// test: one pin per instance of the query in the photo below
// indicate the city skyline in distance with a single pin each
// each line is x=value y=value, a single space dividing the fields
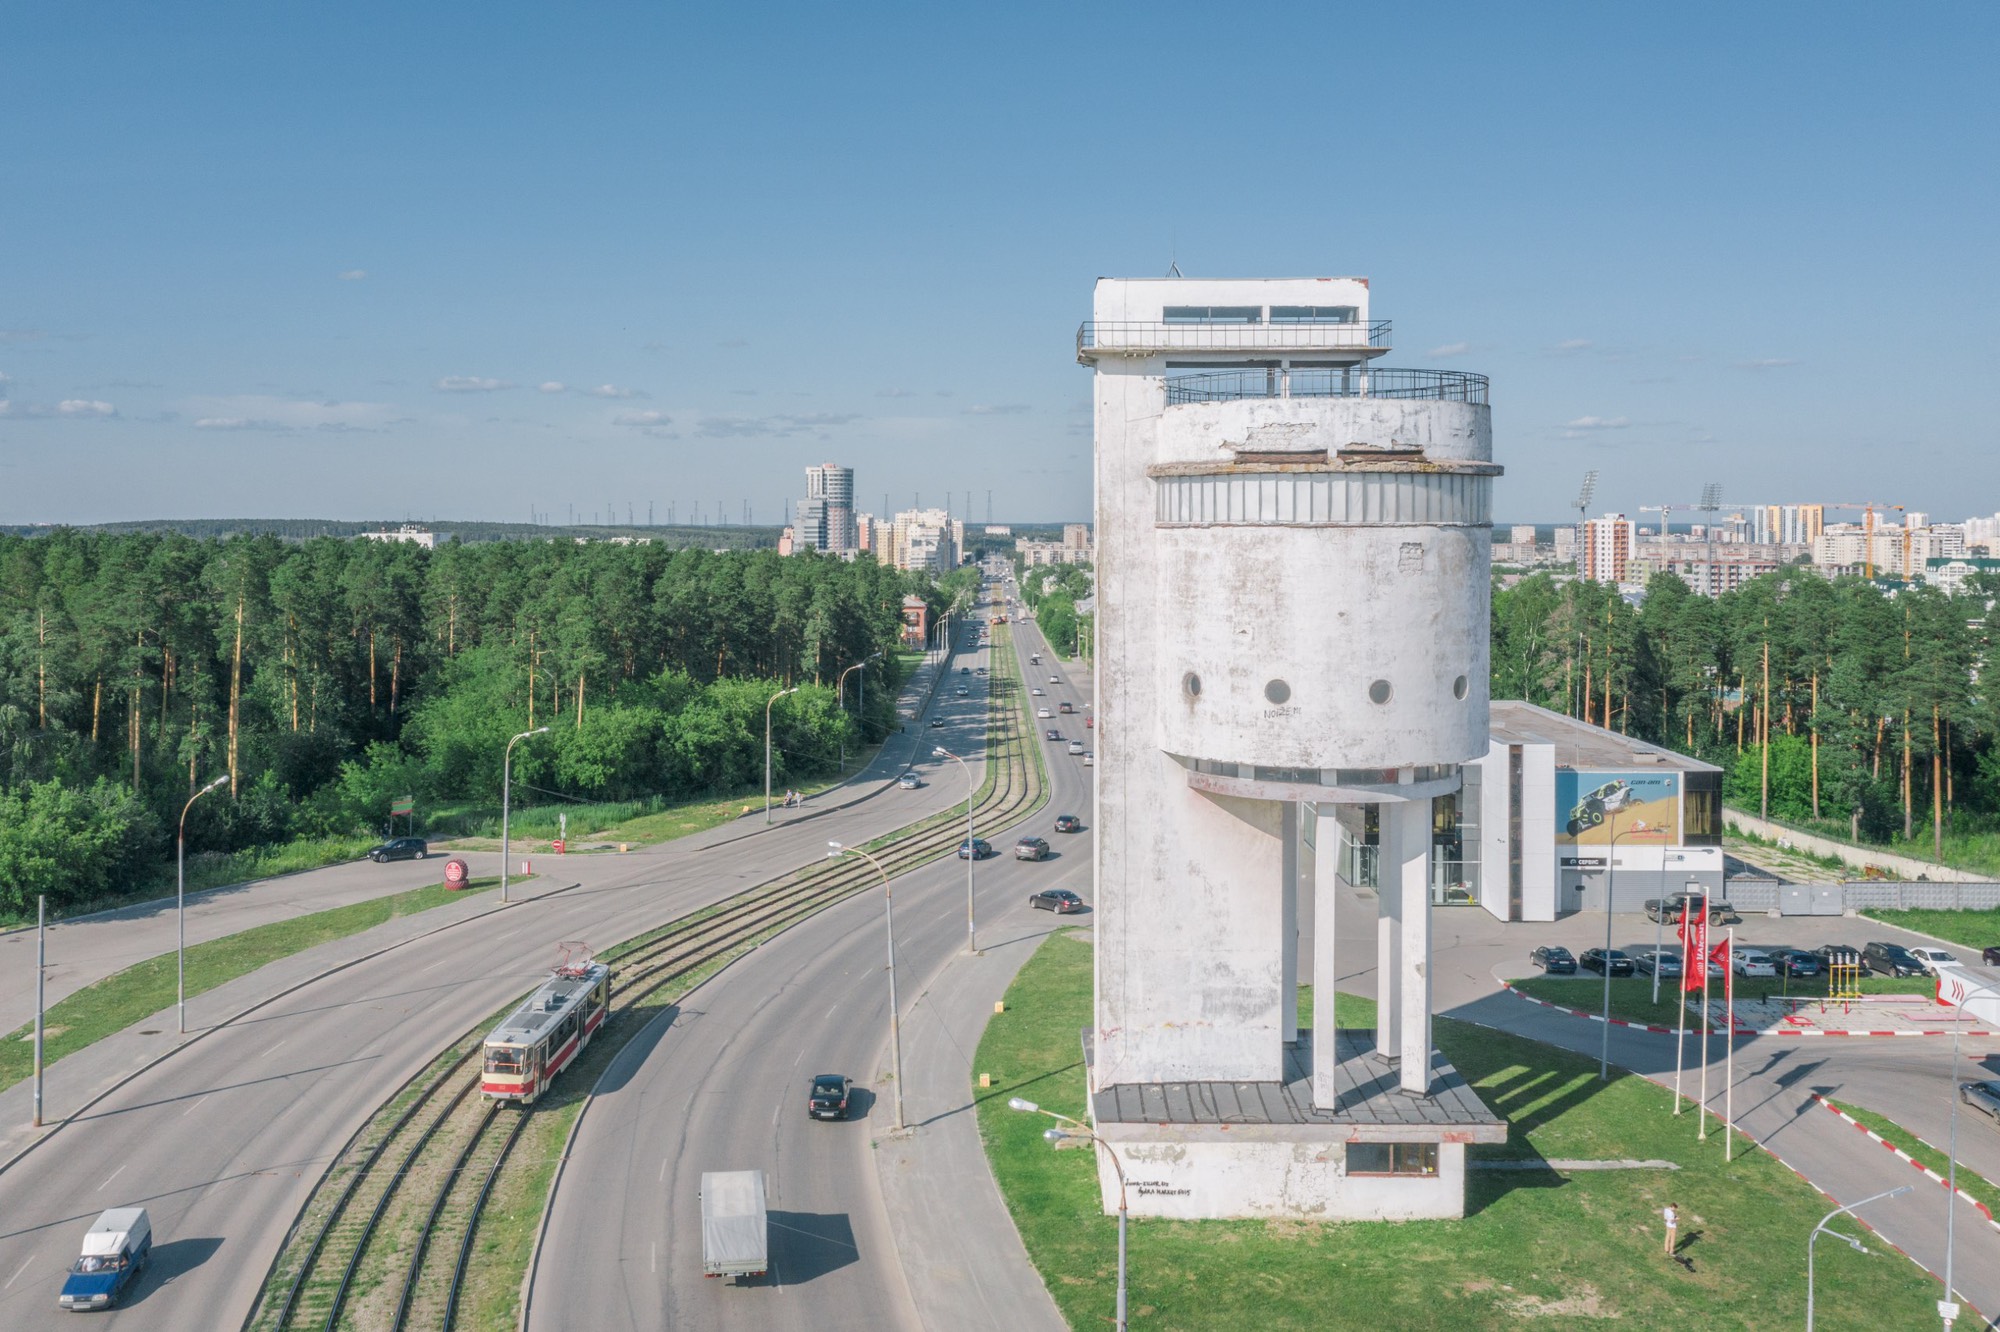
x=391 y=283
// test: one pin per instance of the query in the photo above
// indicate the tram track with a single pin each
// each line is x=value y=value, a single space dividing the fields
x=388 y=1236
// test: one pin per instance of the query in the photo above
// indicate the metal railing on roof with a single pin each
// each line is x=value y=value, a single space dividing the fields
x=1359 y=381
x=1141 y=337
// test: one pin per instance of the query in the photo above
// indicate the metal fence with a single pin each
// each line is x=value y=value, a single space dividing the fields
x=1358 y=382
x=1753 y=895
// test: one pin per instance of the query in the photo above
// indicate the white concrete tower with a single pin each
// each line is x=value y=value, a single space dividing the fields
x=1292 y=567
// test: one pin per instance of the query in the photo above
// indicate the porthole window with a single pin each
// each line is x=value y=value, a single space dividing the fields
x=1191 y=685
x=1379 y=692
x=1458 y=688
x=1277 y=691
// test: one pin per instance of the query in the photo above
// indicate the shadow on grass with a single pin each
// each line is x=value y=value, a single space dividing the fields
x=1013 y=1088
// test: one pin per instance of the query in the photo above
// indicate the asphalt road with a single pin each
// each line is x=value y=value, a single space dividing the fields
x=1908 y=1079
x=222 y=1141
x=89 y=948
x=721 y=1085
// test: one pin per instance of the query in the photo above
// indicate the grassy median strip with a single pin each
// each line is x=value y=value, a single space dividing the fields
x=1632 y=996
x=1535 y=1244
x=1973 y=1183
x=139 y=991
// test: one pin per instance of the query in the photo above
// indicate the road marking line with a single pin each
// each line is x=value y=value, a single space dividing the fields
x=114 y=1174
x=663 y=1170
x=654 y=1261
x=196 y=1106
x=433 y=966
x=17 y=1276
x=273 y=1050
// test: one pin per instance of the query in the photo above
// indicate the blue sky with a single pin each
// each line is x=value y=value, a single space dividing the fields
x=465 y=261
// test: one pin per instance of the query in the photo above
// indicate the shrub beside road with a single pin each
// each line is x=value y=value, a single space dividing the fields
x=1535 y=1243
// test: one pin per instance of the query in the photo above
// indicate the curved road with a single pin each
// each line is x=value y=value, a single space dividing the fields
x=223 y=1141
x=722 y=1083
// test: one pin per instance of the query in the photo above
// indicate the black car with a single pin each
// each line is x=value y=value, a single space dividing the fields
x=1595 y=959
x=1669 y=910
x=1068 y=823
x=978 y=849
x=1052 y=734
x=1837 y=954
x=828 y=1097
x=1795 y=961
x=937 y=723
x=1059 y=900
x=1890 y=959
x=400 y=848
x=1991 y=956
x=1554 y=959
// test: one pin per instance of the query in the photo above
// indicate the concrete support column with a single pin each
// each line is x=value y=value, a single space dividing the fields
x=1388 y=945
x=1288 y=922
x=1406 y=875
x=1325 y=879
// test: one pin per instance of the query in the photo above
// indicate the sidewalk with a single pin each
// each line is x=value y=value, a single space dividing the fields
x=961 y=1255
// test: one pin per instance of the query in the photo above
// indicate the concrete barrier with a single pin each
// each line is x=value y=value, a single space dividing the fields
x=1858 y=857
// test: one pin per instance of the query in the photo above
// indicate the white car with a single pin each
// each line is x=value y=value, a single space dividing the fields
x=1076 y=746
x=1089 y=758
x=1749 y=962
x=1933 y=958
x=1044 y=712
x=1054 y=680
x=909 y=781
x=963 y=691
x=1036 y=692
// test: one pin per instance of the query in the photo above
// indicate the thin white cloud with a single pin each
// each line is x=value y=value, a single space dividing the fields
x=5 y=378
x=1599 y=423
x=895 y=393
x=22 y=334
x=642 y=419
x=1768 y=363
x=783 y=424
x=996 y=409
x=1450 y=349
x=85 y=407
x=1574 y=345
x=354 y=275
x=552 y=386
x=259 y=411
x=613 y=391
x=470 y=384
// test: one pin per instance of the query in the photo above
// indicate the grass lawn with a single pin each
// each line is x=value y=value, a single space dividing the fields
x=1535 y=1245
x=1632 y=997
x=1974 y=929
x=1975 y=1184
x=141 y=990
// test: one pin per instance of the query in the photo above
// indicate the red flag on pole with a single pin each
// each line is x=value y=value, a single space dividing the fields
x=1694 y=947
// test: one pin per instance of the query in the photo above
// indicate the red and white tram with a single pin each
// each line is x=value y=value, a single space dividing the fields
x=547 y=1032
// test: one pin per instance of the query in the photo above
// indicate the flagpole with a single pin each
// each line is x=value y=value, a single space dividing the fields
x=1681 y=1025
x=1702 y=1116
x=1729 y=1051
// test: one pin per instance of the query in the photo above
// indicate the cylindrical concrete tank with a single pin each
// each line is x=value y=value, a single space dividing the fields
x=1325 y=566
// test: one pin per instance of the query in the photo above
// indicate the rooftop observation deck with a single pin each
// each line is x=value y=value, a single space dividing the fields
x=1354 y=381
x=1349 y=339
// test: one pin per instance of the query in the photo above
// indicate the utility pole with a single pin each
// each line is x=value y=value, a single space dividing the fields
x=41 y=972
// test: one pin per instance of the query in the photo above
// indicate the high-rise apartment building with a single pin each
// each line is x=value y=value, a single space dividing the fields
x=920 y=539
x=824 y=519
x=1788 y=524
x=1608 y=543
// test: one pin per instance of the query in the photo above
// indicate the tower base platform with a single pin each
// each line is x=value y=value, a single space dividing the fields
x=1211 y=1150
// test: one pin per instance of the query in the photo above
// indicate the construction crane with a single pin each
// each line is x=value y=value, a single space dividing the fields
x=1868 y=508
x=1584 y=494
x=1711 y=500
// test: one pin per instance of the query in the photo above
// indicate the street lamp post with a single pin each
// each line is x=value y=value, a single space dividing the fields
x=1610 y=885
x=1078 y=1129
x=1852 y=1242
x=840 y=689
x=1951 y=1191
x=506 y=793
x=971 y=849
x=1659 y=919
x=833 y=851
x=180 y=903
x=767 y=747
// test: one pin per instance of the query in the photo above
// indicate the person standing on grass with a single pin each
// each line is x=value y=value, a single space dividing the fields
x=1672 y=1216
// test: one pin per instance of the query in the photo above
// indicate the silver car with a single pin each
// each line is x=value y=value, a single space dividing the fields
x=1981 y=1096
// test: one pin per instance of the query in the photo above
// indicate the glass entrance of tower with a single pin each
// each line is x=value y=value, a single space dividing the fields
x=1455 y=843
